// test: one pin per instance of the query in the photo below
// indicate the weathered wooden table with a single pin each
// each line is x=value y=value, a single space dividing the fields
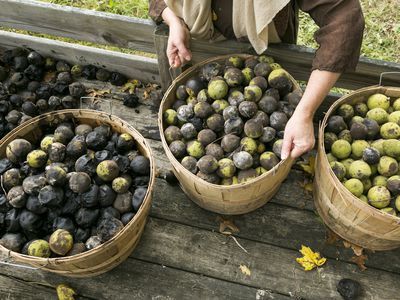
x=182 y=254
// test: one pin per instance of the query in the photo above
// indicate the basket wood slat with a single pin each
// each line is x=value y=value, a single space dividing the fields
x=229 y=200
x=107 y=256
x=345 y=214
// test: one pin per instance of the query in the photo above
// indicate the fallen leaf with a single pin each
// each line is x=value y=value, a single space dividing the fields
x=64 y=292
x=245 y=270
x=360 y=261
x=146 y=95
x=227 y=224
x=358 y=251
x=131 y=86
x=331 y=237
x=309 y=166
x=310 y=259
x=98 y=93
x=307 y=185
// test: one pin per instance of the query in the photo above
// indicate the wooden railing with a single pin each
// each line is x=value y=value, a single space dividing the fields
x=139 y=34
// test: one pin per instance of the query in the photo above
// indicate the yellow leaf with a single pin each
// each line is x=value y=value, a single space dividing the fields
x=310 y=259
x=131 y=86
x=245 y=270
x=308 y=167
x=64 y=292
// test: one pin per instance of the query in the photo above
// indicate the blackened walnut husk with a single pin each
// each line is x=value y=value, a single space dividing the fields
x=64 y=223
x=117 y=79
x=109 y=227
x=71 y=204
x=103 y=75
x=34 y=73
x=109 y=212
x=12 y=221
x=30 y=109
x=85 y=164
x=77 y=90
x=51 y=196
x=81 y=235
x=86 y=217
x=15 y=100
x=131 y=100
x=54 y=102
x=69 y=102
x=90 y=198
x=44 y=91
x=5 y=164
x=138 y=197
x=349 y=289
x=4 y=206
x=96 y=141
x=34 y=205
x=125 y=218
x=30 y=221
x=89 y=72
x=60 y=88
x=62 y=66
x=106 y=195
x=35 y=58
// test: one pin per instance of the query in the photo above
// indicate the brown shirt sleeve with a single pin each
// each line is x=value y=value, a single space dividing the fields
x=340 y=34
x=156 y=7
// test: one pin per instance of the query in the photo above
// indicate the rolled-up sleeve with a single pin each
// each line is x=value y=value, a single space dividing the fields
x=156 y=8
x=340 y=34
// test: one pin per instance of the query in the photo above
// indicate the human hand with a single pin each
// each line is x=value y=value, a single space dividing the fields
x=299 y=135
x=178 y=44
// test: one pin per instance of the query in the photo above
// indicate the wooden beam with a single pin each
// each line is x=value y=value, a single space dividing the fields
x=133 y=279
x=274 y=268
x=133 y=66
x=80 y=24
x=296 y=59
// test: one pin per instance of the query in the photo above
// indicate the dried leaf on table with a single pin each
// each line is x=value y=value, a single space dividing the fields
x=98 y=93
x=360 y=261
x=358 y=251
x=64 y=292
x=226 y=226
x=308 y=166
x=307 y=185
x=310 y=259
x=245 y=270
x=131 y=86
x=331 y=237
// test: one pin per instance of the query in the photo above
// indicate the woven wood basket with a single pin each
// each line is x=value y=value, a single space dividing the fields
x=345 y=214
x=229 y=200
x=107 y=256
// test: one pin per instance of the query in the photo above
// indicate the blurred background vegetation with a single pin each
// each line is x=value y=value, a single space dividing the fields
x=381 y=36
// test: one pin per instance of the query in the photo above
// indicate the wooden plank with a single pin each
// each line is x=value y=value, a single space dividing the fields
x=133 y=66
x=275 y=223
x=13 y=288
x=140 y=280
x=273 y=268
x=296 y=59
x=79 y=24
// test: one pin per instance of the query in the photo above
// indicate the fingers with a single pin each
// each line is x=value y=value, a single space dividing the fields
x=183 y=52
x=286 y=147
x=297 y=151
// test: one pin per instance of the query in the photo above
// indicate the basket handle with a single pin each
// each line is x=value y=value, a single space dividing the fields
x=385 y=73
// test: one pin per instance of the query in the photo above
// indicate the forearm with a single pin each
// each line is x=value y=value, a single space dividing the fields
x=319 y=85
x=169 y=17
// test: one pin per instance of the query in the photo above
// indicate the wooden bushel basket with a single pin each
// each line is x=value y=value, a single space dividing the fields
x=345 y=214
x=108 y=255
x=229 y=200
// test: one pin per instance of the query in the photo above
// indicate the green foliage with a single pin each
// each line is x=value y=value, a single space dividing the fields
x=381 y=35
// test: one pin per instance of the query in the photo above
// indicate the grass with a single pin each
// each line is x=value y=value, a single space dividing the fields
x=381 y=36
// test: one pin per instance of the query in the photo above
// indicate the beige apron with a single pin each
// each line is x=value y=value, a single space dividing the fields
x=250 y=18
